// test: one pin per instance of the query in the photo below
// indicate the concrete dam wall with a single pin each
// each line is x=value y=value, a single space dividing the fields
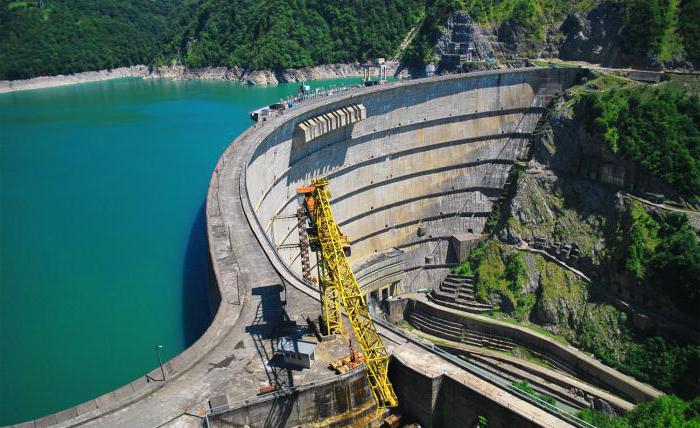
x=413 y=164
x=344 y=401
x=423 y=160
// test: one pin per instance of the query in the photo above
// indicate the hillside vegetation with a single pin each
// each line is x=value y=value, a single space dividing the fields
x=531 y=290
x=45 y=37
x=52 y=37
x=658 y=127
x=277 y=34
x=643 y=32
x=666 y=411
x=663 y=253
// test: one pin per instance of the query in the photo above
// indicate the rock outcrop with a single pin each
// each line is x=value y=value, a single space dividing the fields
x=591 y=33
x=593 y=36
x=463 y=40
x=180 y=72
x=261 y=77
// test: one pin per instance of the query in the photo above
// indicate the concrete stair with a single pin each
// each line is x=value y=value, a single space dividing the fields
x=456 y=332
x=457 y=292
x=436 y=326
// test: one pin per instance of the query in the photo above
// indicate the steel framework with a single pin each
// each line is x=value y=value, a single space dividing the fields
x=338 y=285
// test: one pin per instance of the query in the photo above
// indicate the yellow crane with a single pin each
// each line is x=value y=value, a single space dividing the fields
x=338 y=286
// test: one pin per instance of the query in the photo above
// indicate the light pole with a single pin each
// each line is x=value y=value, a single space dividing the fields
x=162 y=372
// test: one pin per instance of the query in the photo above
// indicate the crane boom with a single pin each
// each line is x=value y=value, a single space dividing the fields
x=337 y=279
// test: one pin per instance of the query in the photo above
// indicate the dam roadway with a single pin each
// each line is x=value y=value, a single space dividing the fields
x=253 y=184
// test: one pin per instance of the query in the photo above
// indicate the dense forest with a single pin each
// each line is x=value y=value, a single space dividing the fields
x=45 y=37
x=277 y=34
x=657 y=127
x=666 y=411
x=51 y=37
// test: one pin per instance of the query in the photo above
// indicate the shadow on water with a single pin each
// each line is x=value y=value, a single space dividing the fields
x=196 y=280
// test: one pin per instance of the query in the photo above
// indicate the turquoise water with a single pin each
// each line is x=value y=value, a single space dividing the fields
x=103 y=250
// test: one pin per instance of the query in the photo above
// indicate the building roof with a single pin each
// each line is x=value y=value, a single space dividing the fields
x=288 y=344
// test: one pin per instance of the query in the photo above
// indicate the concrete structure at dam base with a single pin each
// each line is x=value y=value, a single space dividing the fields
x=414 y=169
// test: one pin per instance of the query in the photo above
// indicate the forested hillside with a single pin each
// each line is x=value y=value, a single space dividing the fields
x=49 y=37
x=276 y=34
x=46 y=37
x=658 y=127
x=620 y=32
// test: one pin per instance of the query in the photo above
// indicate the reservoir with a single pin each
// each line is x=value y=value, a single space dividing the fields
x=103 y=252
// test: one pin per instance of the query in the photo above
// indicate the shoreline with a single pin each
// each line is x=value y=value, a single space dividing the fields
x=179 y=72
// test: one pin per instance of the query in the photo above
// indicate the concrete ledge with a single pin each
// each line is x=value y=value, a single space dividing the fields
x=317 y=126
x=46 y=421
x=567 y=355
x=86 y=407
x=66 y=415
x=305 y=404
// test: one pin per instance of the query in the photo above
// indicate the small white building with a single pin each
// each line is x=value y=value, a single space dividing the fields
x=296 y=352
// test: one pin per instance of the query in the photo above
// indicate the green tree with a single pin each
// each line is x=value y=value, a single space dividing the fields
x=675 y=268
x=658 y=127
x=666 y=411
x=645 y=23
x=689 y=27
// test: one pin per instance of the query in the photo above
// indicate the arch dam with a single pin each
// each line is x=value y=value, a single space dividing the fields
x=414 y=166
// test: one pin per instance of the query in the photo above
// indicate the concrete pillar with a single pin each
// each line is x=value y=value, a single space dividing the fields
x=461 y=245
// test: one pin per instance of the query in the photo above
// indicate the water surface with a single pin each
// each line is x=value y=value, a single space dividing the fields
x=103 y=249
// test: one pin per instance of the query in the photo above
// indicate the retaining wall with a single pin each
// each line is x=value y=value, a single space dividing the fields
x=437 y=401
x=564 y=355
x=345 y=401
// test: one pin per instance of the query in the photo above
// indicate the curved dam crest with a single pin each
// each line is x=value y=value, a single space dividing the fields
x=430 y=154
x=433 y=154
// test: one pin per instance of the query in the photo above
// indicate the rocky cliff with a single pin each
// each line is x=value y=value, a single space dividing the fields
x=553 y=261
x=269 y=77
x=607 y=32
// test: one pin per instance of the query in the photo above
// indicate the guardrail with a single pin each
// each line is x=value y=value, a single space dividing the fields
x=489 y=377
